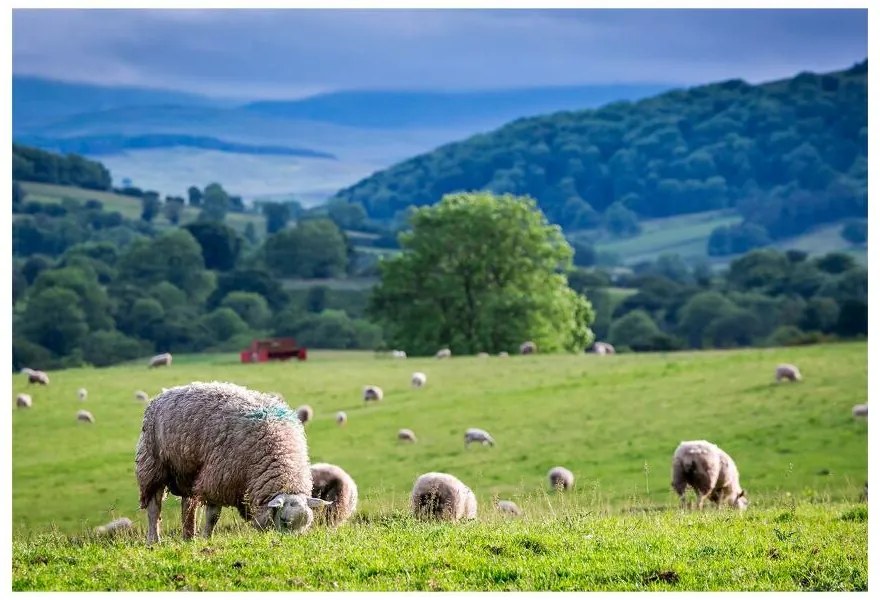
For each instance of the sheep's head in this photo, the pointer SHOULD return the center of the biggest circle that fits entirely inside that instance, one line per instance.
(289, 512)
(741, 502)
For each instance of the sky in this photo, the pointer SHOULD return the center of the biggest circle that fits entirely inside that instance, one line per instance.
(296, 52)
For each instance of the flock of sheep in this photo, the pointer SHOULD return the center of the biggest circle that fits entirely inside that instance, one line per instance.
(223, 445)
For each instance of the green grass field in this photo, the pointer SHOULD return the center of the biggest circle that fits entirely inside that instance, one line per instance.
(614, 421)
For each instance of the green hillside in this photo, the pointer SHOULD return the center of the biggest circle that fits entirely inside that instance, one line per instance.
(614, 421)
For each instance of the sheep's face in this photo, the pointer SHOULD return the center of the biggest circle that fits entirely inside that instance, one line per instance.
(741, 502)
(291, 512)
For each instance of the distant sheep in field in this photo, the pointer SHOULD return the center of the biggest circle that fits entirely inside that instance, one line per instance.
(23, 401)
(333, 484)
(482, 355)
(419, 379)
(503, 354)
(341, 418)
(372, 393)
(787, 372)
(304, 413)
(560, 478)
(160, 360)
(444, 353)
(398, 354)
(603, 348)
(860, 410)
(528, 348)
(114, 527)
(479, 436)
(506, 507)
(443, 497)
(710, 471)
(35, 376)
(406, 435)
(82, 394)
(85, 416)
(142, 396)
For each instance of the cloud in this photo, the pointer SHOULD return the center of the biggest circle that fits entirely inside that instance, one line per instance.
(294, 52)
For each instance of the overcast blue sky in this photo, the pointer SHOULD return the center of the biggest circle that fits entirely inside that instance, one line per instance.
(290, 53)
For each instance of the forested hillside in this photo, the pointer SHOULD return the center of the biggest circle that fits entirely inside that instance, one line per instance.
(787, 155)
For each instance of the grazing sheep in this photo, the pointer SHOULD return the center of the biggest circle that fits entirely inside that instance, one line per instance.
(444, 353)
(503, 354)
(603, 348)
(788, 372)
(85, 416)
(82, 394)
(860, 410)
(508, 508)
(482, 355)
(710, 471)
(224, 445)
(419, 379)
(406, 435)
(477, 435)
(560, 478)
(305, 413)
(372, 393)
(528, 348)
(444, 497)
(23, 401)
(160, 360)
(35, 376)
(341, 418)
(333, 484)
(398, 354)
(142, 396)
(114, 527)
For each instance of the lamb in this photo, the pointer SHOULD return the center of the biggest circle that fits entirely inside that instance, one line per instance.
(142, 396)
(333, 484)
(528, 348)
(114, 527)
(406, 435)
(160, 360)
(477, 435)
(85, 416)
(341, 418)
(444, 353)
(372, 393)
(305, 413)
(224, 445)
(508, 508)
(23, 401)
(710, 471)
(444, 497)
(860, 410)
(603, 348)
(788, 372)
(82, 394)
(35, 376)
(560, 479)
(419, 379)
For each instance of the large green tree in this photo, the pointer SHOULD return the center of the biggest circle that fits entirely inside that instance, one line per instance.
(480, 272)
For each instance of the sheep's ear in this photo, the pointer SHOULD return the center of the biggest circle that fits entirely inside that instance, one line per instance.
(316, 502)
(276, 501)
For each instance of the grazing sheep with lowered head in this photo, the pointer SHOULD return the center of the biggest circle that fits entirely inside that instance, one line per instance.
(480, 436)
(528, 348)
(305, 413)
(506, 507)
(224, 445)
(787, 372)
(419, 379)
(333, 484)
(372, 393)
(341, 418)
(860, 410)
(710, 471)
(35, 376)
(23, 401)
(160, 360)
(444, 497)
(85, 416)
(82, 394)
(560, 479)
(114, 527)
(406, 435)
(603, 348)
(444, 353)
(142, 396)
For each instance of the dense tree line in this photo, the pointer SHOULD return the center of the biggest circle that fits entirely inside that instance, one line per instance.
(31, 164)
(786, 155)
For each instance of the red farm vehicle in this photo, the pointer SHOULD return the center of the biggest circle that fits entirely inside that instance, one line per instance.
(274, 349)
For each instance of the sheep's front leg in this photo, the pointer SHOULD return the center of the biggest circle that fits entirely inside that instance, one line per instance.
(188, 506)
(212, 515)
(154, 510)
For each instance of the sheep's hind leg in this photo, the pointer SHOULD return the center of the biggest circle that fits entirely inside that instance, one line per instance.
(212, 515)
(154, 510)
(188, 506)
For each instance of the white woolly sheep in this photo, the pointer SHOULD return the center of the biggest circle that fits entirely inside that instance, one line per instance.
(528, 348)
(419, 379)
(333, 484)
(305, 413)
(23, 401)
(82, 394)
(787, 372)
(503, 354)
(560, 479)
(341, 418)
(160, 360)
(860, 410)
(444, 353)
(398, 354)
(114, 527)
(142, 396)
(224, 445)
(406, 435)
(372, 393)
(603, 348)
(482, 355)
(35, 376)
(710, 471)
(508, 508)
(480, 436)
(85, 416)
(442, 496)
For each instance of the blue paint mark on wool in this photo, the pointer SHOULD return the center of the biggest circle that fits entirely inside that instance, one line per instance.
(272, 413)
